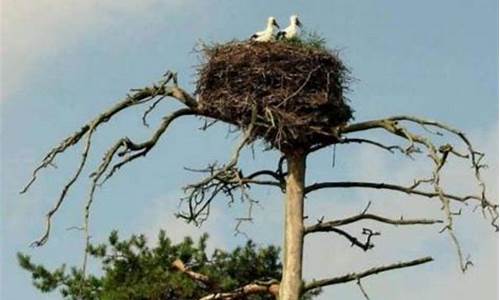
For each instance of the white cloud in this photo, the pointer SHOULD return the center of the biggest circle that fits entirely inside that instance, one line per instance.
(33, 31)
(160, 216)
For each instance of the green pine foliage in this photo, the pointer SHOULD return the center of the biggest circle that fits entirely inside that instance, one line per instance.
(134, 270)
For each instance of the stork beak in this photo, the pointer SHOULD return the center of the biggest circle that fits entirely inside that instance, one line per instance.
(299, 23)
(276, 24)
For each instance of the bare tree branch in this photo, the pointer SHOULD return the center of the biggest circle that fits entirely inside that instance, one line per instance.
(391, 124)
(357, 276)
(389, 148)
(125, 146)
(43, 239)
(221, 179)
(365, 246)
(131, 151)
(332, 226)
(150, 109)
(358, 282)
(139, 96)
(327, 226)
(385, 186)
(438, 155)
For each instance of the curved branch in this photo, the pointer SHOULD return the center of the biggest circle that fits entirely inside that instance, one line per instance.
(390, 124)
(265, 172)
(139, 96)
(43, 239)
(131, 151)
(439, 157)
(126, 146)
(365, 246)
(389, 148)
(386, 186)
(357, 276)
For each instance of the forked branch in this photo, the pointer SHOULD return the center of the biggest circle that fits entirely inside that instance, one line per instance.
(166, 87)
(393, 125)
(137, 97)
(324, 226)
(221, 179)
(333, 226)
(438, 155)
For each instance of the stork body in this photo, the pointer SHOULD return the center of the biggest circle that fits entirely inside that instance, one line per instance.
(292, 31)
(267, 34)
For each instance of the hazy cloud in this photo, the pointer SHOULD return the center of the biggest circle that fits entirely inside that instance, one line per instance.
(34, 31)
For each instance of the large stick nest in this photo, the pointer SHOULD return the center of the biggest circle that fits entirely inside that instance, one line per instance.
(298, 91)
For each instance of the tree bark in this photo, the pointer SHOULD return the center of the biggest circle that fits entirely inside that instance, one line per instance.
(291, 282)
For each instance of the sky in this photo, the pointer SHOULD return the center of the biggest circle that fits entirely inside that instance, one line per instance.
(63, 62)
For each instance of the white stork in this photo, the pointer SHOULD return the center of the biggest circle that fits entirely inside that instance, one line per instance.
(292, 30)
(267, 34)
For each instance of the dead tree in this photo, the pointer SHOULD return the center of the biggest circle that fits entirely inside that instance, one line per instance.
(292, 96)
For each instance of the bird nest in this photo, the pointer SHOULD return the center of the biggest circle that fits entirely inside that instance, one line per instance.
(297, 91)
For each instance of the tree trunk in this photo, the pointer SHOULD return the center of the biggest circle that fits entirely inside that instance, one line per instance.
(291, 282)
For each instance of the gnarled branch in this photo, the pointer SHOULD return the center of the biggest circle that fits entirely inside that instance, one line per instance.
(138, 96)
(439, 156)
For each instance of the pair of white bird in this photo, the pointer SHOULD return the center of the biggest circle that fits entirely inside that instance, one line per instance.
(268, 35)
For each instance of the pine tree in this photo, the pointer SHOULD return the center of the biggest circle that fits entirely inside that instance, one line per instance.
(134, 270)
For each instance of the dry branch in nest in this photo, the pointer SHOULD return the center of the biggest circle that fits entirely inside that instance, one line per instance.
(299, 91)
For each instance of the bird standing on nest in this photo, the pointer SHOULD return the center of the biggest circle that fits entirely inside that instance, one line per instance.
(292, 31)
(267, 34)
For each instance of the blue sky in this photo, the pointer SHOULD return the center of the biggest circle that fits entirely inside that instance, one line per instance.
(65, 61)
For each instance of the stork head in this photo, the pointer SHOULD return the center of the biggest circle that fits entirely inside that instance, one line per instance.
(294, 19)
(271, 21)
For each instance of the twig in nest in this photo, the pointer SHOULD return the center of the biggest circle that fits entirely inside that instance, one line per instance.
(300, 88)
